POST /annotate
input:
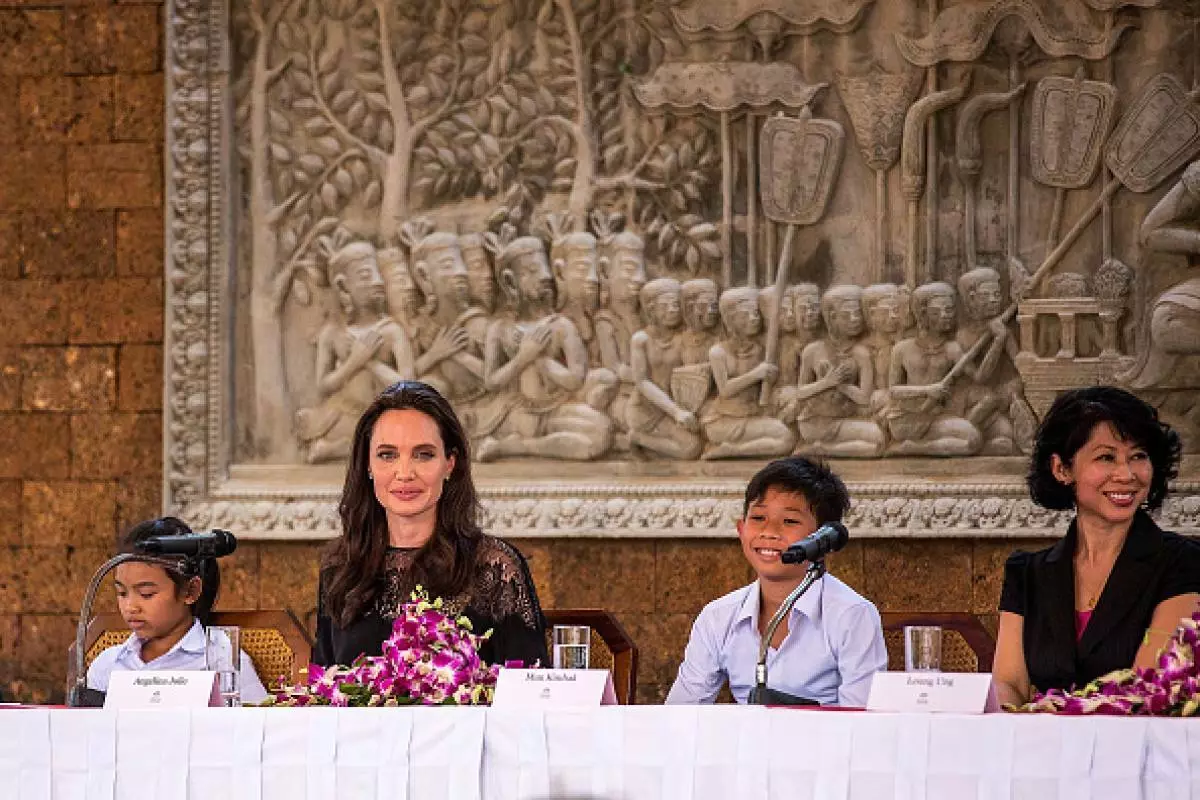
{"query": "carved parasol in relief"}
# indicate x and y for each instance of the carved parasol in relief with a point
(800, 162)
(876, 104)
(765, 23)
(1021, 29)
(726, 87)
(1071, 119)
(1158, 133)
(776, 17)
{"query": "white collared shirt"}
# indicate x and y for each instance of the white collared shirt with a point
(187, 654)
(834, 645)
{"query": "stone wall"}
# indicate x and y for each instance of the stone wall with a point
(81, 308)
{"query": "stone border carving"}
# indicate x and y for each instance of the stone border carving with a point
(198, 363)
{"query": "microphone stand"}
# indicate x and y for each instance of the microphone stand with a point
(79, 695)
(760, 695)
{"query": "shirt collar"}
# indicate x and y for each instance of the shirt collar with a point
(809, 603)
(192, 642)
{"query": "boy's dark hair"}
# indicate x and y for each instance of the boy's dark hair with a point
(1069, 424)
(205, 568)
(820, 486)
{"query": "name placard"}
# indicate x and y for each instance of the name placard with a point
(154, 689)
(554, 688)
(954, 692)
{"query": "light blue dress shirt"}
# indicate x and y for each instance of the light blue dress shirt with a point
(187, 654)
(834, 645)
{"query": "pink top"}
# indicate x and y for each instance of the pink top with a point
(1081, 622)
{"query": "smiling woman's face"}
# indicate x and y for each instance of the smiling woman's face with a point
(409, 464)
(1110, 476)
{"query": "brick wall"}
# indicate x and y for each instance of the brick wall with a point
(80, 309)
(80, 380)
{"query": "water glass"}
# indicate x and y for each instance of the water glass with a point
(223, 655)
(922, 648)
(572, 644)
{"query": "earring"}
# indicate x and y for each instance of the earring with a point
(370, 477)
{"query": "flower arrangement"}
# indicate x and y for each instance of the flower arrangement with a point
(431, 658)
(1172, 689)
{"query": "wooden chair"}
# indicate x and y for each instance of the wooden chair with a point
(612, 648)
(966, 644)
(276, 642)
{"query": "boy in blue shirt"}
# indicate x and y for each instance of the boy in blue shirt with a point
(830, 644)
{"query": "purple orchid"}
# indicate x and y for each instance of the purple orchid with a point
(430, 658)
(1171, 688)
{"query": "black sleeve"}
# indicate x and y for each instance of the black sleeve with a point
(519, 632)
(322, 654)
(1183, 574)
(513, 640)
(1012, 595)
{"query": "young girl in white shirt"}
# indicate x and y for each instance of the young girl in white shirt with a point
(166, 610)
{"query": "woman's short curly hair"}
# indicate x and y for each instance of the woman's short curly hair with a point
(1069, 424)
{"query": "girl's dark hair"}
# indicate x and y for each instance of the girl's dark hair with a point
(1069, 424)
(353, 568)
(205, 569)
(821, 487)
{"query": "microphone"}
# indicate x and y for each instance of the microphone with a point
(829, 538)
(212, 544)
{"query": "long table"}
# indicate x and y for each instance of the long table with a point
(625, 753)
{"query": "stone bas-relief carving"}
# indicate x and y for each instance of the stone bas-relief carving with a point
(1173, 226)
(657, 306)
(527, 383)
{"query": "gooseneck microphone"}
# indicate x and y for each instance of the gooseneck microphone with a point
(210, 544)
(829, 538)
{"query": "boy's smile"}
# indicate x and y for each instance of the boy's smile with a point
(771, 524)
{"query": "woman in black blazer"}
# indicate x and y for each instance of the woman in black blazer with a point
(1112, 591)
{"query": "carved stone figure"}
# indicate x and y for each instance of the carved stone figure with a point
(806, 303)
(917, 417)
(792, 336)
(357, 355)
(624, 274)
(837, 379)
(691, 382)
(735, 425)
(481, 280)
(656, 422)
(701, 316)
(573, 259)
(997, 412)
(403, 298)
(1173, 226)
(535, 362)
(404, 304)
(451, 333)
(882, 309)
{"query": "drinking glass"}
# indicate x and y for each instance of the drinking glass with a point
(223, 655)
(922, 648)
(572, 644)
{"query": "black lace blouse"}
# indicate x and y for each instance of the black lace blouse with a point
(500, 597)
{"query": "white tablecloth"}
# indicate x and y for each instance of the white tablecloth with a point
(705, 753)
